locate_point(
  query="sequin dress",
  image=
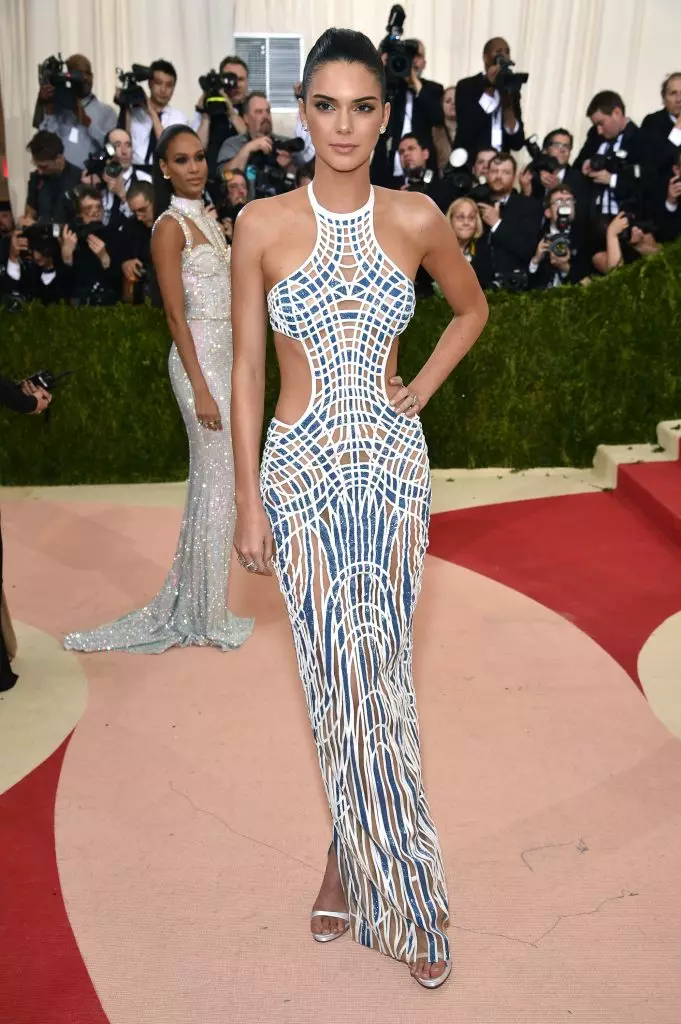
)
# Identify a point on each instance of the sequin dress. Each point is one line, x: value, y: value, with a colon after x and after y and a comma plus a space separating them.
x: 191, y: 607
x: 347, y: 491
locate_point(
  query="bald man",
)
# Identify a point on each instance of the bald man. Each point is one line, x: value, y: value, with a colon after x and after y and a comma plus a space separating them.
x: 83, y: 131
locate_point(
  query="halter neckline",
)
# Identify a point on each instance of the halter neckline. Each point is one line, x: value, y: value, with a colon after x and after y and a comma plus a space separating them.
x: 189, y: 206
x: 331, y: 214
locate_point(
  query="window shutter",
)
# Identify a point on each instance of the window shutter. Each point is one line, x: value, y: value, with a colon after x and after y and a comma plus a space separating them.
x: 274, y: 65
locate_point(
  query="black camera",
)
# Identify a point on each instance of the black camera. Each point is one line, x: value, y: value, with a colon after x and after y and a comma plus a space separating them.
x: 482, y: 193
x: 613, y: 161
x: 46, y: 379
x: 43, y: 237
x: 540, y: 161
x: 132, y: 94
x: 417, y: 179
x: 514, y: 281
x: 560, y: 243
x: 213, y: 86
x: 82, y: 230
x: 104, y: 163
x: 509, y: 83
x: 400, y: 52
x: 67, y: 84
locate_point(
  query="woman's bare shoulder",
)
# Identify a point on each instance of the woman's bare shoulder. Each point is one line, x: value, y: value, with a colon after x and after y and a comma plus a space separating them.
x: 272, y: 215
x: 167, y: 230
x: 413, y: 210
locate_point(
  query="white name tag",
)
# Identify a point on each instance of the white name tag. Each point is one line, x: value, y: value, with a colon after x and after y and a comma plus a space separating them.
x: 73, y: 135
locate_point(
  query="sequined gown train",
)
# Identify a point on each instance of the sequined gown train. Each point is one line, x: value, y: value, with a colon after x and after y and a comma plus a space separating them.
x: 191, y: 608
x: 347, y: 492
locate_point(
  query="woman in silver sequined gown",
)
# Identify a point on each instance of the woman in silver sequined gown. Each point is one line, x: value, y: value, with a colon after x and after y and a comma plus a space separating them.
x: 192, y: 264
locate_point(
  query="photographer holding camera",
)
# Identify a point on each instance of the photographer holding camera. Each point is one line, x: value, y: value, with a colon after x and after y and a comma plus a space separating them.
x: 131, y: 243
x: 626, y: 241
x: 147, y: 116
x: 611, y: 156
x: 661, y: 140
x: 269, y: 161
x: 488, y: 111
x: 114, y: 174
x: 220, y: 107
x: 560, y: 257
x: 53, y: 178
x: 93, y: 275
x: 511, y: 225
x: 550, y: 166
x: 415, y: 103
x: 76, y: 115
x: 30, y: 266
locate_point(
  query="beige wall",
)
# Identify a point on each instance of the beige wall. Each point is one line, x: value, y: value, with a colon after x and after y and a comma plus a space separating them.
x: 572, y: 48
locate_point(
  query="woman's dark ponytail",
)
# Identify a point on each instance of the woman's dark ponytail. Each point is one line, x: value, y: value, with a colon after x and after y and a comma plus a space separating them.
x: 163, y: 189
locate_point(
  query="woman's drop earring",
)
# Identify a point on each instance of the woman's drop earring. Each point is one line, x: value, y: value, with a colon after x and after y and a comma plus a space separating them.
x: 167, y: 177
x: 305, y: 128
x: 382, y: 129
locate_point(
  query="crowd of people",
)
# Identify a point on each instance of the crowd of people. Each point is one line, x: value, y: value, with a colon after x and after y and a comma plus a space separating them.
x: 84, y: 235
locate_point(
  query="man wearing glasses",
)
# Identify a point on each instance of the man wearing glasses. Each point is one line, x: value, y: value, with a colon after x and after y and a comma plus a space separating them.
x: 557, y: 144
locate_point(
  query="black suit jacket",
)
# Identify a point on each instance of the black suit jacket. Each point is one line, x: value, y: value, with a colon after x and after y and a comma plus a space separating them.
x: 474, y: 126
x: 579, y: 264
x: 627, y: 182
x: 512, y: 245
x: 427, y: 114
x: 667, y: 225
x: 659, y: 154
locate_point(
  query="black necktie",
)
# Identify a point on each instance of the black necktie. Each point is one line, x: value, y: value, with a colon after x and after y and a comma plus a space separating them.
x: 151, y: 149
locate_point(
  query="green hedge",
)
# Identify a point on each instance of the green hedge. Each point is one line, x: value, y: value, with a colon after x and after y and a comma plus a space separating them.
x: 554, y: 374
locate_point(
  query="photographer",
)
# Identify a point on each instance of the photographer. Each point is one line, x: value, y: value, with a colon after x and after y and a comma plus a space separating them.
x: 145, y: 124
x: 512, y: 223
x: 550, y: 167
x: 560, y: 257
x: 48, y: 185
x: 668, y: 213
x: 116, y: 176
x: 31, y: 268
x: 488, y: 111
x: 219, y: 111
x: 268, y: 168
x: 131, y: 244
x: 415, y: 107
x: 82, y: 130
x: 93, y: 275
x: 626, y: 242
x: 661, y: 139
x: 611, y: 155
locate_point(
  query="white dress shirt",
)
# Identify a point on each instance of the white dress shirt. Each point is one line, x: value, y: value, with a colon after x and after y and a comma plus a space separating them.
x: 492, y: 105
x: 606, y: 200
x: 14, y: 271
x: 141, y: 127
x: 406, y: 129
x: 675, y: 134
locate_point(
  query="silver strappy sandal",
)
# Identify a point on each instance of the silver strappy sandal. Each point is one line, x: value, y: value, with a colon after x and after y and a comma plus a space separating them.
x: 330, y: 936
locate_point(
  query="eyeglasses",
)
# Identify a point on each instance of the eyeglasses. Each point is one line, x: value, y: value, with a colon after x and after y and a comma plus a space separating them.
x: 561, y: 145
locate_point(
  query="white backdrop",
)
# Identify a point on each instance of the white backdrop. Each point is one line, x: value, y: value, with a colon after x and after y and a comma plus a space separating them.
x: 572, y: 48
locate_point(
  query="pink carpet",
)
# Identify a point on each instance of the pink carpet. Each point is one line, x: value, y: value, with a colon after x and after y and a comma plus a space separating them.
x: 190, y: 826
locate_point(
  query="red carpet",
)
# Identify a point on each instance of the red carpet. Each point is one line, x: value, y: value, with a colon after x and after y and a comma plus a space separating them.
x: 655, y: 487
x: 593, y: 558
x: 34, y: 927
